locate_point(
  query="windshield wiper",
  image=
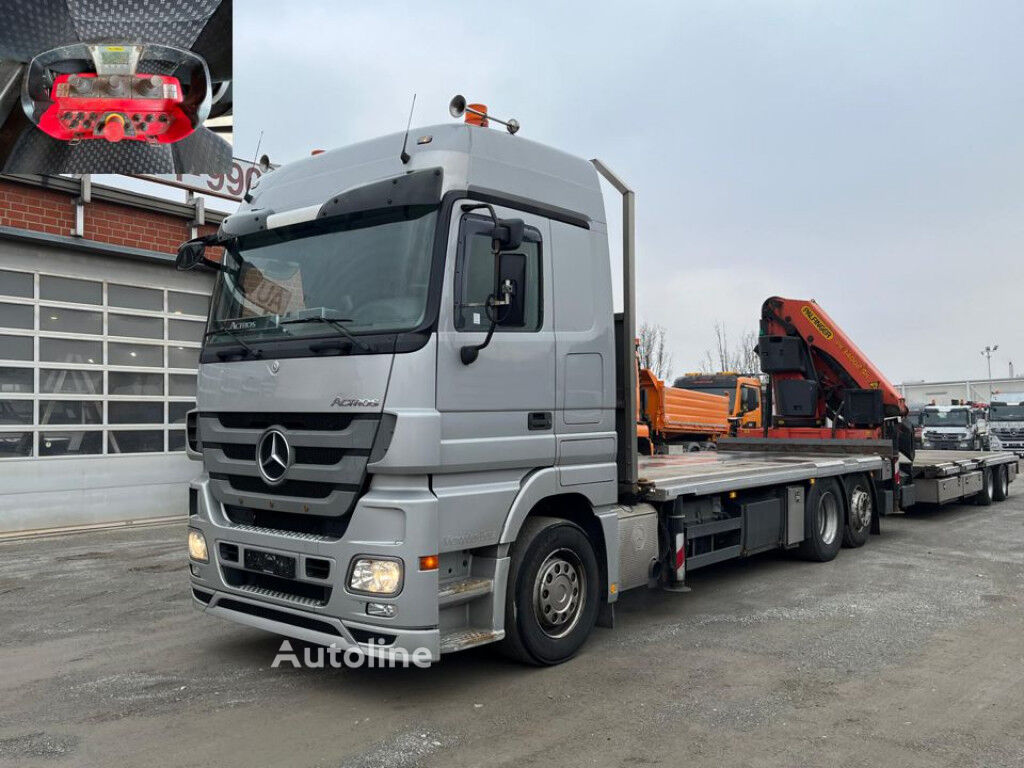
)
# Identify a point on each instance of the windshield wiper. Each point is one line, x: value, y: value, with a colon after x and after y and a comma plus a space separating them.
x: 333, y: 322
x: 248, y: 350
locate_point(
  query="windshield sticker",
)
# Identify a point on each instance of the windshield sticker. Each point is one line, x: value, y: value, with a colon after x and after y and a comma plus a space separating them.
x: 277, y: 297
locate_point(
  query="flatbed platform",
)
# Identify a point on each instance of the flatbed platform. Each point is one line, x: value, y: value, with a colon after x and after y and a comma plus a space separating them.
x: 663, y: 478
x: 949, y: 463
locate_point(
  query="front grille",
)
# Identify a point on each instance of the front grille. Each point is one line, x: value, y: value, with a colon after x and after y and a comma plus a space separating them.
x: 274, y: 586
x: 303, y: 455
x: 309, y: 421
x: 301, y: 489
x: 320, y: 488
x: 316, y: 526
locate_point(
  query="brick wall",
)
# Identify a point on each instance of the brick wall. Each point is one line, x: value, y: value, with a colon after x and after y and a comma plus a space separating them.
x: 23, y: 206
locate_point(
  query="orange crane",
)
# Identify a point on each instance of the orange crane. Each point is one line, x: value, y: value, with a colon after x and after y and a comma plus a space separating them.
x: 820, y: 383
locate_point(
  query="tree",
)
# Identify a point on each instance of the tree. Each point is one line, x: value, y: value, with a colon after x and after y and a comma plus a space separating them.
x: 727, y: 357
x: 653, y: 354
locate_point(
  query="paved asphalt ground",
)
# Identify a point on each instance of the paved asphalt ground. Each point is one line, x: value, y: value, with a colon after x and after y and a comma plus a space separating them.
x: 909, y: 652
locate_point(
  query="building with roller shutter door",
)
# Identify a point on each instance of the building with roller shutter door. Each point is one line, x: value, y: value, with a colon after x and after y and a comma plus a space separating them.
x: 99, y: 345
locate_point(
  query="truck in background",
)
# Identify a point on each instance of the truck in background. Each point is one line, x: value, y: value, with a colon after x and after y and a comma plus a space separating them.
x: 673, y: 420
x: 743, y: 391
x: 1006, y: 424
x: 954, y: 427
x: 417, y: 412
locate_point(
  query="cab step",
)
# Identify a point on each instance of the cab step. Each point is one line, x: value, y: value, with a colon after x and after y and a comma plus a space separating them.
x: 463, y: 590
x: 468, y: 637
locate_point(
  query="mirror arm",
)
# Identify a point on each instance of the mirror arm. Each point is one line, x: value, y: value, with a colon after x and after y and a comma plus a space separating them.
x: 469, y: 353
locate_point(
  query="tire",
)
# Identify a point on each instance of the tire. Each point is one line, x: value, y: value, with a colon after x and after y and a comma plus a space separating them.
x: 823, y: 521
x: 860, y: 508
x: 983, y: 498
x: 549, y: 551
x: 1001, y: 485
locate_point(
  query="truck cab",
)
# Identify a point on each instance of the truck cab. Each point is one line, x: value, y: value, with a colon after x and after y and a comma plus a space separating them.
x: 1006, y: 425
x: 403, y: 360
x: 953, y: 427
x: 743, y: 391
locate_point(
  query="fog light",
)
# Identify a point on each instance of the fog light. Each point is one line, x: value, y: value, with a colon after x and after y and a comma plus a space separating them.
x: 378, y: 577
x: 381, y: 609
x: 197, y: 546
x: 194, y: 569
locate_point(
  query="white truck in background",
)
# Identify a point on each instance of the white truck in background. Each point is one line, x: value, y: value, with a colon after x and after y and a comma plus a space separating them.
x: 953, y: 427
x: 1006, y: 424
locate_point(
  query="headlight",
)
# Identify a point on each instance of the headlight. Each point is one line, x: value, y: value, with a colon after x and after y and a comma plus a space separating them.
x: 197, y: 546
x: 377, y: 577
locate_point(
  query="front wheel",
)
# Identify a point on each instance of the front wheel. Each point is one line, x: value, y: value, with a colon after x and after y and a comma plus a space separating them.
x: 860, y: 509
x: 823, y: 521
x: 551, y: 602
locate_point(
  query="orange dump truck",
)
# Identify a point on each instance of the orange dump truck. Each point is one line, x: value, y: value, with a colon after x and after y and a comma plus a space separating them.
x: 672, y: 420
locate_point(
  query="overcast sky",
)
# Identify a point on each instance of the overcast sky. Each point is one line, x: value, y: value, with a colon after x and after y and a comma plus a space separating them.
x: 865, y: 154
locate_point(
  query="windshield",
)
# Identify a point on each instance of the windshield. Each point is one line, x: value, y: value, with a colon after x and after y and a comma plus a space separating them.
x: 944, y: 418
x: 369, y: 271
x: 1006, y: 413
x: 729, y: 392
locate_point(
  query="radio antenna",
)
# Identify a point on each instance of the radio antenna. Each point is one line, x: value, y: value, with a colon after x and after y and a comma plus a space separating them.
x: 405, y: 157
x: 248, y: 177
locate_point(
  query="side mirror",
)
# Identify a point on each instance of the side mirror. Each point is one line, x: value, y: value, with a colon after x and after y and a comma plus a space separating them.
x: 192, y: 253
x: 509, y: 233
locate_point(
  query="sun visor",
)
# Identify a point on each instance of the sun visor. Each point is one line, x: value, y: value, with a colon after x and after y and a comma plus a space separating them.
x: 414, y: 188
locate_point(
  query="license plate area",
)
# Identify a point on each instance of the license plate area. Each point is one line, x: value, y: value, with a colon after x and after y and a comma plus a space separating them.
x: 270, y: 562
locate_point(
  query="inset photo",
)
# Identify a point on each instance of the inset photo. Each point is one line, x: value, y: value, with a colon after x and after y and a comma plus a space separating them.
x: 130, y: 87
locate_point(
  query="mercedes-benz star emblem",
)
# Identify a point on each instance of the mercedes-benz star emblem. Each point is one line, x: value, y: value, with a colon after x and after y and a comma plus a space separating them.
x: 273, y: 456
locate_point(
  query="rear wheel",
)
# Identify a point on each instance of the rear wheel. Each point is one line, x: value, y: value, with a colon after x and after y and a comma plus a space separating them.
x: 551, y: 602
x: 823, y: 521
x: 984, y: 497
x: 1001, y: 488
x: 860, y: 508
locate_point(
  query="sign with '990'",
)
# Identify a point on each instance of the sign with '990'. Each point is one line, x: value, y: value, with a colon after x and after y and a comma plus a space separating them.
x: 231, y: 185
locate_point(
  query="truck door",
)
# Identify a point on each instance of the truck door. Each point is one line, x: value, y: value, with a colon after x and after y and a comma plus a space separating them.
x: 750, y: 399
x: 496, y: 412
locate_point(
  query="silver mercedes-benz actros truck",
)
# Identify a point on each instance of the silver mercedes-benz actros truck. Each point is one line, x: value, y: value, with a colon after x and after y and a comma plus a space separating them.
x: 417, y: 412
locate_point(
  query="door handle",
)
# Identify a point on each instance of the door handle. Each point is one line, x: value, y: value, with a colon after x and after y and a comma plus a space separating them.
x: 538, y: 420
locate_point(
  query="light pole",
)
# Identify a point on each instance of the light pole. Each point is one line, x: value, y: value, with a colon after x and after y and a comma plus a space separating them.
x: 987, y: 352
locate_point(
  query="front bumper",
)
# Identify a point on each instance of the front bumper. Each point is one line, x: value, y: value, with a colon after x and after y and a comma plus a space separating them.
x: 392, y: 523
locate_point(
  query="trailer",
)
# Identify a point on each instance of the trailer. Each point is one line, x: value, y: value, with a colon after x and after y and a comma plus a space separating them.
x: 417, y: 412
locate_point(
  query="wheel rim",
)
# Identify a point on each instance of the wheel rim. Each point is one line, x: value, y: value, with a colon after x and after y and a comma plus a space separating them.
x: 988, y: 484
x: 860, y: 508
x: 559, y: 593
x: 1004, y: 482
x: 828, y: 517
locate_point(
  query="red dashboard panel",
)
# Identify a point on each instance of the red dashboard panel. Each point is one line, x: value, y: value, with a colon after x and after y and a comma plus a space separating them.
x: 116, y: 107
